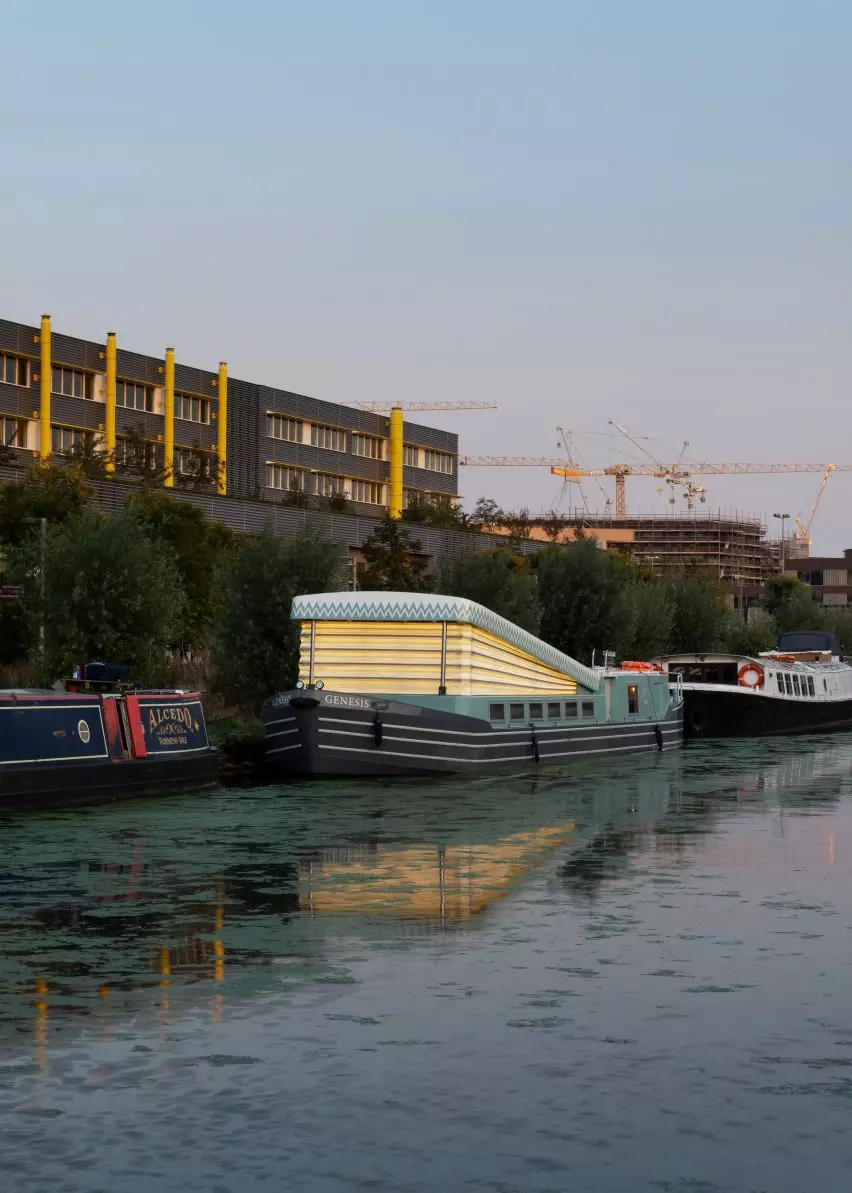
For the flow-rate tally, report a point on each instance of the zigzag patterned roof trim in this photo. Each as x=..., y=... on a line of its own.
x=419, y=606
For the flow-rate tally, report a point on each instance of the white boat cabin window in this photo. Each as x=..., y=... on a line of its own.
x=571, y=709
x=554, y=711
x=780, y=680
x=536, y=712
x=496, y=712
x=632, y=698
x=588, y=708
x=811, y=691
x=824, y=685
x=516, y=712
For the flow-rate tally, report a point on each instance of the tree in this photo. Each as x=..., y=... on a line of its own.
x=518, y=525
x=698, y=618
x=199, y=547
x=256, y=644
x=101, y=588
x=790, y=604
x=578, y=590
x=752, y=636
x=392, y=559
x=642, y=621
x=494, y=579
x=487, y=515
x=553, y=524
x=46, y=491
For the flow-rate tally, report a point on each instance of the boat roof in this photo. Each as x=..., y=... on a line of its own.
x=429, y=606
x=764, y=660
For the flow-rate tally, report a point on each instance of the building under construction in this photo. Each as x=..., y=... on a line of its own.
x=731, y=545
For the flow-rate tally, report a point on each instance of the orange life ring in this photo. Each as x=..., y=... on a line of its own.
x=637, y=667
x=749, y=669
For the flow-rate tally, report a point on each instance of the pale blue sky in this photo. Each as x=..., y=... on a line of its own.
x=581, y=211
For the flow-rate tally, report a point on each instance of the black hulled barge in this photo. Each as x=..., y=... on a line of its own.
x=803, y=686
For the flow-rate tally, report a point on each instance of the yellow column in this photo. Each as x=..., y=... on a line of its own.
x=45, y=388
x=221, y=471
x=169, y=411
x=395, y=503
x=109, y=417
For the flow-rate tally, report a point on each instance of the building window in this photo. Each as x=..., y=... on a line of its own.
x=536, y=712
x=134, y=396
x=192, y=409
x=279, y=426
x=571, y=709
x=331, y=438
x=326, y=485
x=11, y=432
x=14, y=370
x=516, y=712
x=410, y=455
x=282, y=476
x=194, y=464
x=632, y=697
x=71, y=382
x=438, y=462
x=67, y=439
x=496, y=712
x=369, y=446
x=553, y=711
x=588, y=708
x=370, y=492
x=136, y=455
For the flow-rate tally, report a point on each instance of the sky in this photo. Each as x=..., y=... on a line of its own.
x=580, y=210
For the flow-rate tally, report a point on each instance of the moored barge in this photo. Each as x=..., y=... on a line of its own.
x=419, y=684
x=85, y=746
x=803, y=686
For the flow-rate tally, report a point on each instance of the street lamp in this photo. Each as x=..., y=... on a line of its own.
x=783, y=518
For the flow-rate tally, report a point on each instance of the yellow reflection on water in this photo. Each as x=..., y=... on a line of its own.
x=424, y=882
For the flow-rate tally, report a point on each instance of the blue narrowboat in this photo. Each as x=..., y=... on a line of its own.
x=88, y=745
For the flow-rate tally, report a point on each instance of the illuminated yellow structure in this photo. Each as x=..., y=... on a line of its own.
x=222, y=439
x=45, y=390
x=169, y=427
x=396, y=456
x=407, y=656
x=109, y=397
x=422, y=644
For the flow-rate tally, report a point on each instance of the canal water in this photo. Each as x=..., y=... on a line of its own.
x=634, y=976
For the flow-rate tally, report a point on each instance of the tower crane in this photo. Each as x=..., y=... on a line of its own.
x=395, y=437
x=801, y=544
x=680, y=475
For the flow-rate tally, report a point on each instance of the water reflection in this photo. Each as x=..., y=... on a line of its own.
x=171, y=905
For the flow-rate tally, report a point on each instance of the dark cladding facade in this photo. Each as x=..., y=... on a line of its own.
x=276, y=440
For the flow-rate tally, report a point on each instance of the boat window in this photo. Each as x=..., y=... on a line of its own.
x=496, y=712
x=780, y=678
x=554, y=711
x=516, y=712
x=588, y=708
x=536, y=712
x=570, y=709
x=811, y=691
x=632, y=697
x=788, y=683
x=796, y=691
x=824, y=686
